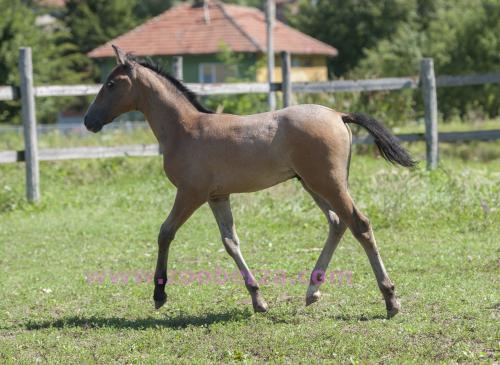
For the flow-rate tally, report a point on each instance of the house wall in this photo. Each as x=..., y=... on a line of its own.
x=305, y=68
x=191, y=65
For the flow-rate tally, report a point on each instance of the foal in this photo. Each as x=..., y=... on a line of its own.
x=210, y=156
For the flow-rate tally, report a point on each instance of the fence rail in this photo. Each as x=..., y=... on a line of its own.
x=426, y=81
x=66, y=90
x=58, y=154
x=390, y=83
x=393, y=83
x=9, y=93
x=468, y=80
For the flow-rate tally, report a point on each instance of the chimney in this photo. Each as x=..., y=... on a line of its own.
x=206, y=10
x=198, y=3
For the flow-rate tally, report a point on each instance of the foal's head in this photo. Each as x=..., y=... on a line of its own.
x=117, y=95
x=122, y=91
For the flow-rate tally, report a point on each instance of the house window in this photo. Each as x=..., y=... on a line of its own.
x=302, y=62
x=210, y=73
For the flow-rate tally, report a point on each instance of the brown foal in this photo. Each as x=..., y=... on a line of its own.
x=209, y=156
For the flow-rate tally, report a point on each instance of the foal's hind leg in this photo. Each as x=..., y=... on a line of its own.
x=335, y=192
x=336, y=231
x=222, y=212
x=362, y=230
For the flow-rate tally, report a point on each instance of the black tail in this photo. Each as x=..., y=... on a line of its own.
x=387, y=144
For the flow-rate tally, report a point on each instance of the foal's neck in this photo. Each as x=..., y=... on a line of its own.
x=166, y=109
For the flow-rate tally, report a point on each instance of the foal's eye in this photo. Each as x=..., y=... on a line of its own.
x=110, y=84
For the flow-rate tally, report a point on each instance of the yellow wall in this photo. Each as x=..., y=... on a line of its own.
x=304, y=68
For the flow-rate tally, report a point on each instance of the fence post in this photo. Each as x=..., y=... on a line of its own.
x=428, y=82
x=270, y=19
x=177, y=68
x=286, y=76
x=29, y=123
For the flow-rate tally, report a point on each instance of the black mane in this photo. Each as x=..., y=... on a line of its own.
x=190, y=95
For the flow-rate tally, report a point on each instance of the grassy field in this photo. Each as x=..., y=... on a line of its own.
x=437, y=232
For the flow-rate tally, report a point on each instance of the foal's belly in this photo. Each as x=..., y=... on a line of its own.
x=249, y=176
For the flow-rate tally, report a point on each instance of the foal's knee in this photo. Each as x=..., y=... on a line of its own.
x=167, y=233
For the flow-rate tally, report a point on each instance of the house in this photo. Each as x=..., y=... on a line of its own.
x=198, y=30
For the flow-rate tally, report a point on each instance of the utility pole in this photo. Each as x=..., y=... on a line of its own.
x=270, y=19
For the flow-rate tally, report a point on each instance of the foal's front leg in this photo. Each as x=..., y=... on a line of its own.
x=222, y=211
x=186, y=202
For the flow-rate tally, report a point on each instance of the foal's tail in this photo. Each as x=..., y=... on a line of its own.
x=387, y=144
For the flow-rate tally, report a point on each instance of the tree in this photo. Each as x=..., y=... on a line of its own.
x=462, y=39
x=54, y=58
x=351, y=26
x=389, y=38
x=94, y=22
x=146, y=9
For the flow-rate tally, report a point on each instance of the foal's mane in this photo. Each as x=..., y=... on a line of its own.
x=189, y=94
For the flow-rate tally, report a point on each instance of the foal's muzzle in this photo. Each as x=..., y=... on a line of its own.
x=92, y=125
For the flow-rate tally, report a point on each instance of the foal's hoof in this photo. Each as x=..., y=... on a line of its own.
x=260, y=308
x=160, y=301
x=259, y=305
x=395, y=308
x=313, y=298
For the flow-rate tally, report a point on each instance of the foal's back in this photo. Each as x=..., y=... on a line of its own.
x=249, y=153
x=272, y=130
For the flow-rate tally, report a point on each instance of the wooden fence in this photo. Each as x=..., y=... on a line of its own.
x=427, y=81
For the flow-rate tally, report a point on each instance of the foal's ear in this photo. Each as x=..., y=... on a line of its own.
x=121, y=56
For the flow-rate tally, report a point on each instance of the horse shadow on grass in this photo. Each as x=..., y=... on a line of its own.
x=359, y=318
x=337, y=318
x=176, y=322
x=179, y=321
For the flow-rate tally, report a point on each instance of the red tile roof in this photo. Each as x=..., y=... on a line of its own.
x=184, y=29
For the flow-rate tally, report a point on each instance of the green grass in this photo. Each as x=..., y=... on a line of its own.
x=438, y=234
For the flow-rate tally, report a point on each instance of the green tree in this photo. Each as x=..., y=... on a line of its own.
x=94, y=22
x=146, y=9
x=351, y=25
x=462, y=39
x=54, y=57
x=474, y=49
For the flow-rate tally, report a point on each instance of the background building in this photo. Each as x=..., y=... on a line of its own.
x=199, y=32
